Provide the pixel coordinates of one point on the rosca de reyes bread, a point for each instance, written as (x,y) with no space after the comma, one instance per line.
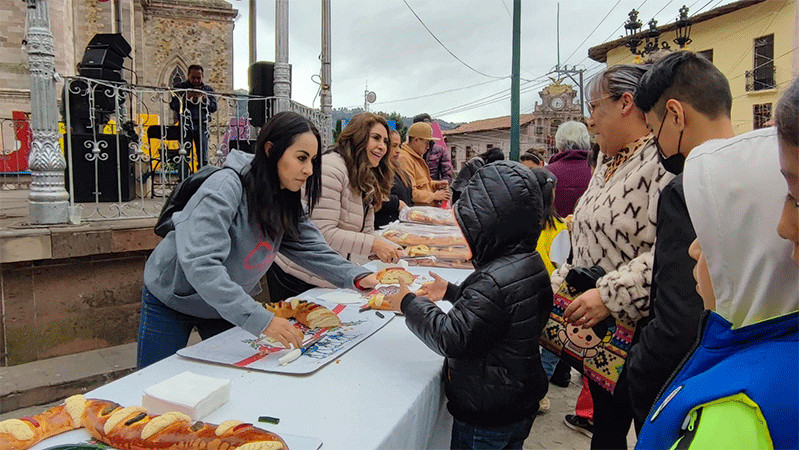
(393,275)
(451,252)
(307,313)
(132,428)
(376,302)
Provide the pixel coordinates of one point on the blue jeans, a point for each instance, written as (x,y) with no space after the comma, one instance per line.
(549,362)
(163,331)
(466,436)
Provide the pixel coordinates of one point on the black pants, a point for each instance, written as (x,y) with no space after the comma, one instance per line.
(612,415)
(282,285)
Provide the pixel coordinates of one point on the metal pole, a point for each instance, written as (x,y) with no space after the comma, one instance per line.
(282,81)
(580,77)
(325,99)
(558,39)
(514,153)
(48,201)
(252,30)
(116,16)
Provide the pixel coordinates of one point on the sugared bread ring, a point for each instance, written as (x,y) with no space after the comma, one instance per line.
(309,314)
(133,429)
(393,275)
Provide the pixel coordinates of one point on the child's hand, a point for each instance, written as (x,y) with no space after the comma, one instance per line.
(395,299)
(435,289)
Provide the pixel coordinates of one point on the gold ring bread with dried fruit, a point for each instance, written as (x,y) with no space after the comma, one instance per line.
(132,428)
(307,313)
(393,275)
(404,238)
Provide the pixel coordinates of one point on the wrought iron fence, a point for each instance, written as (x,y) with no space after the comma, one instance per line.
(127,146)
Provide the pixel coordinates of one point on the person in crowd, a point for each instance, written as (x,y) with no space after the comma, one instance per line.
(687,101)
(572,143)
(356,178)
(553,247)
(194,104)
(569,165)
(437,156)
(490,337)
(614,228)
(425,191)
(738,388)
(204,273)
(531,160)
(471,167)
(400,195)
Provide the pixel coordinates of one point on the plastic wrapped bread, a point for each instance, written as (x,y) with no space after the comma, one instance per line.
(428,215)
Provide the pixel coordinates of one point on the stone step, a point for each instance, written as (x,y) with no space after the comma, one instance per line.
(49,380)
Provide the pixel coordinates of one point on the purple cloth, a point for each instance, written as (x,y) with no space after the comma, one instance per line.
(439,163)
(573,174)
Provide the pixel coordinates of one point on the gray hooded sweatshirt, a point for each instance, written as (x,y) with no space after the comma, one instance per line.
(211,264)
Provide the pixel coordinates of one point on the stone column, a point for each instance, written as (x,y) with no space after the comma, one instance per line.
(325,100)
(48,200)
(282,81)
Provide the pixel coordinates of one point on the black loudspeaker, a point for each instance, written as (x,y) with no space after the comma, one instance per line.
(239,144)
(107,174)
(101,57)
(112,41)
(262,84)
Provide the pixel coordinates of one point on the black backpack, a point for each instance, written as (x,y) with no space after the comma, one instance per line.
(180,196)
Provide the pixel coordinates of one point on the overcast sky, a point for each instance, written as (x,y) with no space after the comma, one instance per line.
(380,44)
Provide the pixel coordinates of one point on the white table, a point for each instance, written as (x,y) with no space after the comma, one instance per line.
(386,392)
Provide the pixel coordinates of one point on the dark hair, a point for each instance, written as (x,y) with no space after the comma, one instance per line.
(373,183)
(279,210)
(786,115)
(547,183)
(688,78)
(194,67)
(591,157)
(530,156)
(491,155)
(421,118)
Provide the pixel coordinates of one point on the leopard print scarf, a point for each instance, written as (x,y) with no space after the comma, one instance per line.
(620,158)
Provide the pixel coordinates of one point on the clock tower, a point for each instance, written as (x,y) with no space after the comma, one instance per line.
(558,105)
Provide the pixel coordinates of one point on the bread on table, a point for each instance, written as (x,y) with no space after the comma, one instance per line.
(393,275)
(132,428)
(307,313)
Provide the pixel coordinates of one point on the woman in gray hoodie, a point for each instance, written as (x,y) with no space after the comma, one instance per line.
(205,273)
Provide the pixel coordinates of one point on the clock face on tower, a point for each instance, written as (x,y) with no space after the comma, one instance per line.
(557,103)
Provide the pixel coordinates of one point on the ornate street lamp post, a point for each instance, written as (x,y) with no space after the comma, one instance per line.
(635,36)
(48,200)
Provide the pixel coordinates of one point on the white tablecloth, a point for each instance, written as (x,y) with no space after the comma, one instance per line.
(386,392)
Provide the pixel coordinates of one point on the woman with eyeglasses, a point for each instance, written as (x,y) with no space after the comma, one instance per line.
(614,227)
(357,177)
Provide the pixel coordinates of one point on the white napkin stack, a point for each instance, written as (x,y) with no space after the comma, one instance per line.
(192,394)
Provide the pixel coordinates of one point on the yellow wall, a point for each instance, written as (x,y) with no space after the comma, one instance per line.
(731,37)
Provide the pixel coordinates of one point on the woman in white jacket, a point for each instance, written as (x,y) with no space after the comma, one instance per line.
(356,179)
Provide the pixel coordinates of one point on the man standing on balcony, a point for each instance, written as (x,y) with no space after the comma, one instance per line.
(195,107)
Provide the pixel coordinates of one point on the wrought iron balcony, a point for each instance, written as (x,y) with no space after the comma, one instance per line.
(760,79)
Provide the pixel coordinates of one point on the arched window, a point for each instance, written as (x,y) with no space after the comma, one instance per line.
(176,76)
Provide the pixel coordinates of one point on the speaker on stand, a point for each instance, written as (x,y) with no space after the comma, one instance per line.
(111,180)
(261,78)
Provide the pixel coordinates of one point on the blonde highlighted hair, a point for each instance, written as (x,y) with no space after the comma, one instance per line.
(373,183)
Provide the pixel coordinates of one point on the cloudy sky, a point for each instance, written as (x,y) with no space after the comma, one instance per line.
(381,45)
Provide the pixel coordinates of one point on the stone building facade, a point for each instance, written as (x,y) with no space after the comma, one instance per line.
(166,36)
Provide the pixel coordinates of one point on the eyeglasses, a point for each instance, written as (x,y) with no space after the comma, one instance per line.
(591,105)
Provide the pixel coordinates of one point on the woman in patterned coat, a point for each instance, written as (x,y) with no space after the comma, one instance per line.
(614,227)
(356,179)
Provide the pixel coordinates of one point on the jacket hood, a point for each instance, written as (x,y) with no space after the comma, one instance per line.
(239,160)
(568,155)
(500,211)
(735,194)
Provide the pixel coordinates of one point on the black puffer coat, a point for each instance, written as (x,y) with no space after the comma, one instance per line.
(493,372)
